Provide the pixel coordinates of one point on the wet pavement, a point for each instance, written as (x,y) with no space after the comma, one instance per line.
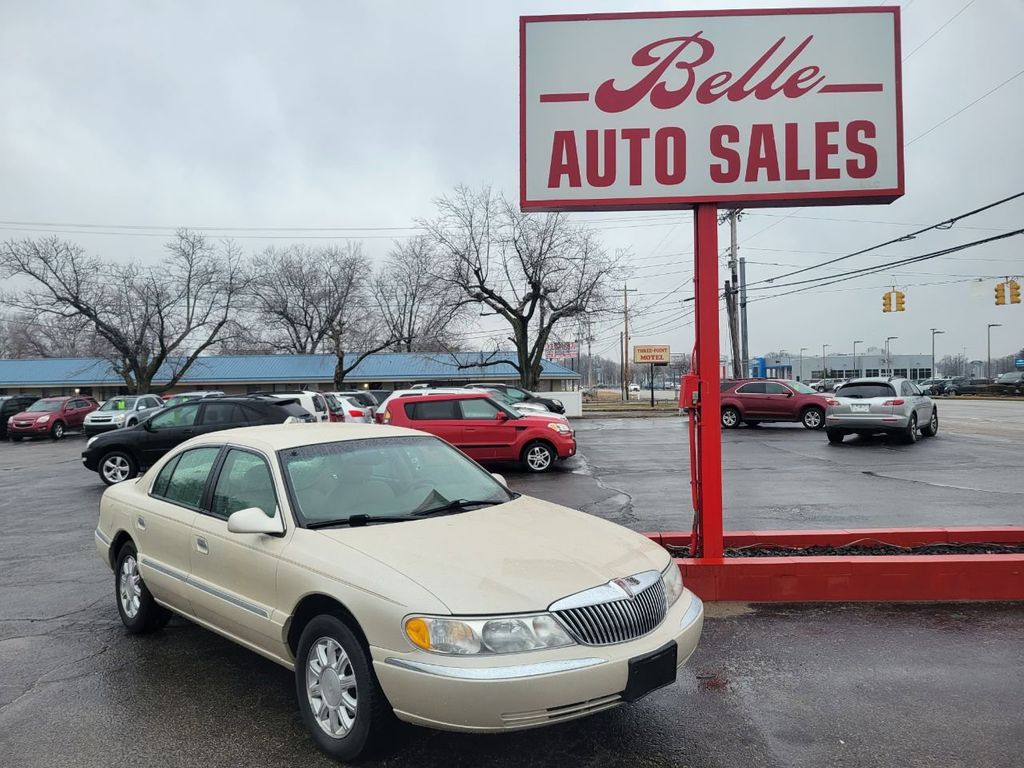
(851,685)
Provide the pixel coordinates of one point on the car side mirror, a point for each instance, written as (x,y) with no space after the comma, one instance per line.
(788,393)
(499,478)
(148,426)
(501,416)
(254,520)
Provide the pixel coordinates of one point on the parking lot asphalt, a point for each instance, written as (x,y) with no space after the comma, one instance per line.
(851,685)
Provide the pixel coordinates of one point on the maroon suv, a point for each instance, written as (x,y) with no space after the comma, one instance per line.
(752,401)
(51,416)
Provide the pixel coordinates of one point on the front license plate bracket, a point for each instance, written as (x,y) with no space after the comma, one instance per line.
(650,672)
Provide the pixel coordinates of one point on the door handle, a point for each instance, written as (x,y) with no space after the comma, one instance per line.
(201,546)
(140,523)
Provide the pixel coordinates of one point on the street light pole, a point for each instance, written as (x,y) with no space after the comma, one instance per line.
(824,365)
(802,350)
(935,332)
(888,353)
(856,371)
(989,359)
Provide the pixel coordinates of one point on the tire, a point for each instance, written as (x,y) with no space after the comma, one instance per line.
(116,467)
(835,436)
(339,734)
(932,429)
(909,434)
(57,431)
(752,423)
(538,457)
(951,392)
(139,612)
(812,418)
(730,417)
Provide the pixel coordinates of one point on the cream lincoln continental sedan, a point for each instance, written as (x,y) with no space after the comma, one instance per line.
(396,578)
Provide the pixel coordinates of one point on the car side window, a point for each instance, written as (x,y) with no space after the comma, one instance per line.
(751,389)
(430,410)
(189,476)
(244,481)
(164,478)
(773,388)
(516,395)
(906,389)
(180,416)
(221,414)
(478,408)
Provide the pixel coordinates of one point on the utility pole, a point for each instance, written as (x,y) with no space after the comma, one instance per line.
(888,354)
(590,359)
(800,377)
(824,364)
(625,343)
(856,370)
(743,311)
(935,332)
(622,381)
(988,366)
(730,307)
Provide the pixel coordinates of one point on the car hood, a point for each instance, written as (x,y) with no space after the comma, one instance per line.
(514,558)
(26,416)
(540,418)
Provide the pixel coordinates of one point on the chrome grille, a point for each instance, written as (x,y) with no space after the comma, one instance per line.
(616,621)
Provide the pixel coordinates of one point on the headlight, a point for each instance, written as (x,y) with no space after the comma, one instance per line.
(42,419)
(118,418)
(560,427)
(673,583)
(467,637)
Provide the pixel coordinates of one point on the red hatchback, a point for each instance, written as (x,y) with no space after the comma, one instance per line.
(485,430)
(51,416)
(755,400)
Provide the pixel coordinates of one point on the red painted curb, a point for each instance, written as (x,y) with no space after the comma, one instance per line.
(856,578)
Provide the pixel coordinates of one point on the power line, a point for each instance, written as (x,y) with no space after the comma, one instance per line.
(964,109)
(933,34)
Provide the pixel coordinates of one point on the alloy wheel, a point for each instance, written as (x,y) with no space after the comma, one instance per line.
(730,418)
(58,431)
(538,457)
(812,418)
(331,687)
(116,469)
(130,587)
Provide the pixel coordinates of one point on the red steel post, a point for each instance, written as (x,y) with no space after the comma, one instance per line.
(709,457)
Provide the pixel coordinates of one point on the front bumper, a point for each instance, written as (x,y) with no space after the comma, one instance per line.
(34,428)
(867,422)
(527,690)
(566,448)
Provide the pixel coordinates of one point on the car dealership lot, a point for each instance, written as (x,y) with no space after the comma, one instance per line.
(781,685)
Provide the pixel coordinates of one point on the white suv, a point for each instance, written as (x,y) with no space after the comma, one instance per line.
(313,402)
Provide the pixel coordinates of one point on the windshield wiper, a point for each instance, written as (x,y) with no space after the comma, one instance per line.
(456,504)
(356,521)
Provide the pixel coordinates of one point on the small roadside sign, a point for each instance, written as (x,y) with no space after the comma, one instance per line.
(652,354)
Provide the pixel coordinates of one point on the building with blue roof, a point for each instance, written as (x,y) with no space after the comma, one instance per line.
(241,374)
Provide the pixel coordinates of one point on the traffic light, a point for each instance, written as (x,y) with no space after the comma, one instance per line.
(1000,293)
(901,305)
(887,302)
(1014,292)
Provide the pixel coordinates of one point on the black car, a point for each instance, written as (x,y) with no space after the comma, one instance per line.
(10,405)
(963,385)
(122,454)
(520,395)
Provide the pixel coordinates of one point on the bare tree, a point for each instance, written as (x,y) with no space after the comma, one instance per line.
(35,334)
(417,304)
(154,319)
(534,270)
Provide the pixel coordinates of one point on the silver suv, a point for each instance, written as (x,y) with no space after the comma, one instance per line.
(892,405)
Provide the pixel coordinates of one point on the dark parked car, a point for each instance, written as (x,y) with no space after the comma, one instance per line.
(962,385)
(520,395)
(120,455)
(1011,383)
(10,405)
(755,400)
(51,417)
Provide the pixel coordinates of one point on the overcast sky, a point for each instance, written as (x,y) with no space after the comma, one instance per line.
(355,115)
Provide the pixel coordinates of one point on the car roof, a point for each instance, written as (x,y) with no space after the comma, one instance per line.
(479,395)
(277,437)
(876,380)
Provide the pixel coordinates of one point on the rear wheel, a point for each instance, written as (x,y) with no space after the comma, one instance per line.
(932,429)
(730,417)
(909,435)
(57,430)
(538,457)
(813,418)
(139,612)
(835,436)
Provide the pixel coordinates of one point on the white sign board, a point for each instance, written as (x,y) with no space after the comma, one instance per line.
(669,109)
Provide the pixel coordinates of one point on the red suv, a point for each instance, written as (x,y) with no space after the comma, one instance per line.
(485,430)
(51,416)
(755,400)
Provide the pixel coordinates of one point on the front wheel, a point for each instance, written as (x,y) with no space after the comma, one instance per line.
(116,467)
(140,613)
(341,702)
(538,457)
(932,429)
(813,418)
(57,430)
(835,436)
(730,417)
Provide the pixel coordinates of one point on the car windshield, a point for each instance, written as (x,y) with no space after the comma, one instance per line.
(119,404)
(45,406)
(865,390)
(799,386)
(402,477)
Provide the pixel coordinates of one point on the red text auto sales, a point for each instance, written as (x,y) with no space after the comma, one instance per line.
(761,151)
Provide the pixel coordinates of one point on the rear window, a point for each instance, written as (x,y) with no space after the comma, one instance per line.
(865,390)
(281,410)
(432,409)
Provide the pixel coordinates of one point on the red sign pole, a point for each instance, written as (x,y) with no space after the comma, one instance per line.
(709,435)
